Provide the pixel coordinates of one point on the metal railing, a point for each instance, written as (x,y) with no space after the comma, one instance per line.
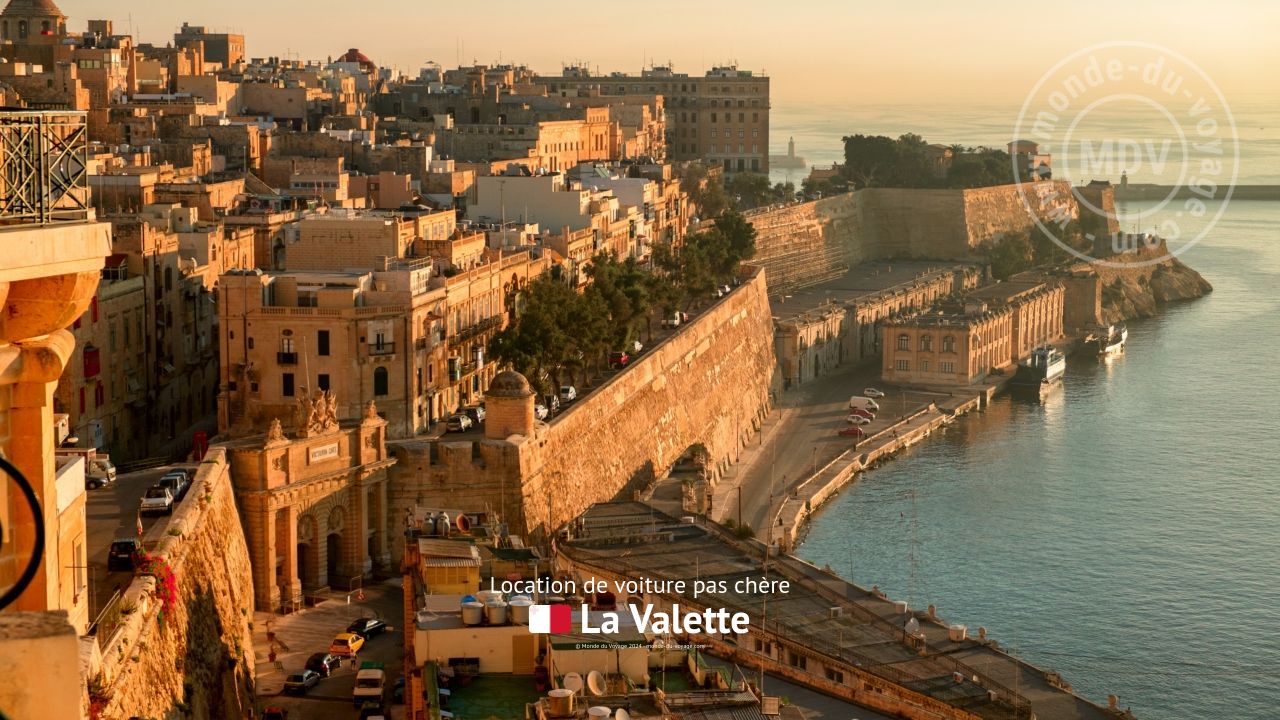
(43,167)
(104,627)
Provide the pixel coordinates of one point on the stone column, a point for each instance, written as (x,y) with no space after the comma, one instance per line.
(287,547)
(355,556)
(39,364)
(379,519)
(260,532)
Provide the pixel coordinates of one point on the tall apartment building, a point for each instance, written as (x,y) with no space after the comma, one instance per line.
(721,117)
(51,254)
(224,48)
(389,307)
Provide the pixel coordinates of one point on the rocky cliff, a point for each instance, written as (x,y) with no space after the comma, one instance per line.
(1137,287)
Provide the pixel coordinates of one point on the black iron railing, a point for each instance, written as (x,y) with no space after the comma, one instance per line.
(43,167)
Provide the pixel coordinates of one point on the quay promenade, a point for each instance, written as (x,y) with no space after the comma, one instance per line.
(825,632)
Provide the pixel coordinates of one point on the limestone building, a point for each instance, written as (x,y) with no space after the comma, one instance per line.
(313,501)
(721,117)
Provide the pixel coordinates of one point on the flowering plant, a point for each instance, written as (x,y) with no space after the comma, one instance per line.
(158,567)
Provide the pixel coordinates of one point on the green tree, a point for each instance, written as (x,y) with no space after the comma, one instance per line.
(749,190)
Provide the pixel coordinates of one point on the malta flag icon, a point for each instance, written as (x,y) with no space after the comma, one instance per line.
(556,619)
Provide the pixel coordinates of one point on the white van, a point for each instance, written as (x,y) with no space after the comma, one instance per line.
(863,403)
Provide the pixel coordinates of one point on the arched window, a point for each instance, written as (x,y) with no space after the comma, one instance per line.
(22,29)
(926,343)
(948,344)
(44,26)
(4,30)
(380,381)
(904,342)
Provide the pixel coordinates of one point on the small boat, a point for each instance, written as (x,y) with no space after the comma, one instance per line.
(1042,368)
(1111,341)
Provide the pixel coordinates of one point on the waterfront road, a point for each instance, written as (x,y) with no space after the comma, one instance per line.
(801,436)
(112,512)
(805,703)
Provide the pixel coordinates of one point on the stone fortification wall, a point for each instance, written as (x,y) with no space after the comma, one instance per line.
(708,384)
(196,660)
(808,243)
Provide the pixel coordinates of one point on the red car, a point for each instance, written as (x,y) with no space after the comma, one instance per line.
(619,359)
(864,413)
(853,431)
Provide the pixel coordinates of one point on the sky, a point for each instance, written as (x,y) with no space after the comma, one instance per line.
(826,52)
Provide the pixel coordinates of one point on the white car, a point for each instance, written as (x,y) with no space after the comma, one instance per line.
(872,393)
(540,411)
(857,420)
(568,393)
(458,423)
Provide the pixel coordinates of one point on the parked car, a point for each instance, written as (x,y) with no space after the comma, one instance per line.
(157,501)
(863,413)
(865,403)
(177,483)
(552,401)
(672,320)
(619,359)
(854,419)
(568,394)
(371,681)
(124,554)
(323,663)
(300,682)
(397,691)
(475,412)
(458,423)
(853,431)
(541,412)
(637,347)
(872,393)
(275,713)
(346,643)
(726,289)
(367,627)
(371,710)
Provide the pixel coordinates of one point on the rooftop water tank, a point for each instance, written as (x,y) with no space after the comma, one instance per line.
(599,712)
(496,611)
(520,610)
(560,702)
(957,633)
(472,613)
(901,607)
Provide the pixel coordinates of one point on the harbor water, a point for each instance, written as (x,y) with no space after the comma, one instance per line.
(1125,531)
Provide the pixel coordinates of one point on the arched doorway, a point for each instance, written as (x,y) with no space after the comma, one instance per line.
(333,550)
(305,560)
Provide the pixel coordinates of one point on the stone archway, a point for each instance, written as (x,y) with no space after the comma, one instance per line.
(308,553)
(335,524)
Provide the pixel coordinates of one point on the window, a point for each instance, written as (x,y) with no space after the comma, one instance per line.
(82,400)
(924,366)
(836,676)
(904,342)
(287,385)
(322,342)
(903,365)
(926,343)
(949,344)
(99,395)
(380,381)
(93,308)
(947,367)
(713,117)
(322,381)
(22,29)
(286,344)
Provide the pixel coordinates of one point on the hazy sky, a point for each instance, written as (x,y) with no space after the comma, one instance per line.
(815,50)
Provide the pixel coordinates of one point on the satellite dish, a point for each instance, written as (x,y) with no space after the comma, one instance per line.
(596,683)
(464,524)
(621,714)
(573,683)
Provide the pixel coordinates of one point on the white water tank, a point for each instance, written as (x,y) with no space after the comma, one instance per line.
(560,702)
(442,525)
(496,612)
(599,712)
(901,607)
(520,610)
(472,613)
(957,632)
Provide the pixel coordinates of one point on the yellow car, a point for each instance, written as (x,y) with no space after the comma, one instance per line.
(346,644)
